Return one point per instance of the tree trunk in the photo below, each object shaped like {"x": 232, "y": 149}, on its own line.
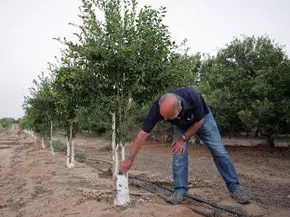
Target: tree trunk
{"x": 123, "y": 151}
{"x": 117, "y": 159}
{"x": 50, "y": 143}
{"x": 73, "y": 153}
{"x": 33, "y": 136}
{"x": 42, "y": 143}
{"x": 70, "y": 149}
{"x": 67, "y": 153}
{"x": 113, "y": 154}
{"x": 270, "y": 142}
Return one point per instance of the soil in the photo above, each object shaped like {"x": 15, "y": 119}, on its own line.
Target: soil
{"x": 33, "y": 182}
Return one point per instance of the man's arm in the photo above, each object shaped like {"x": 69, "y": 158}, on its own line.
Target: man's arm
{"x": 135, "y": 148}
{"x": 137, "y": 144}
{"x": 152, "y": 119}
{"x": 192, "y": 130}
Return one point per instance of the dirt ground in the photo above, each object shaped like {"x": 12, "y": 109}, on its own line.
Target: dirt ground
{"x": 33, "y": 182}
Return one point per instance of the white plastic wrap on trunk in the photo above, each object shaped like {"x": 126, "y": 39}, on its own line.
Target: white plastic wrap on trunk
{"x": 51, "y": 147}
{"x": 116, "y": 172}
{"x": 122, "y": 188}
{"x": 31, "y": 133}
{"x": 42, "y": 143}
{"x": 67, "y": 154}
{"x": 33, "y": 136}
{"x": 123, "y": 152}
{"x": 70, "y": 162}
{"x": 120, "y": 181}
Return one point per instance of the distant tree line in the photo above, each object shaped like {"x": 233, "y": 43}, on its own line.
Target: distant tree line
{"x": 5, "y": 123}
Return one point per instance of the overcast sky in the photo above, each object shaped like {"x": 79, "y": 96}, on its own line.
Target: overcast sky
{"x": 27, "y": 28}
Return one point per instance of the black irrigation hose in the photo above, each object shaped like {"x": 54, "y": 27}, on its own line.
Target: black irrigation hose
{"x": 200, "y": 200}
{"x": 163, "y": 197}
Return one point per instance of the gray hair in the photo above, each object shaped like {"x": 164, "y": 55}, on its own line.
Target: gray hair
{"x": 165, "y": 96}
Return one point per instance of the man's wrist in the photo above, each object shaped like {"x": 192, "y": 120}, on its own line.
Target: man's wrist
{"x": 183, "y": 137}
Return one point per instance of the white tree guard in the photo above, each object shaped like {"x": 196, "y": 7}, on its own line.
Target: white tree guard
{"x": 42, "y": 143}
{"x": 123, "y": 152}
{"x": 120, "y": 181}
{"x": 51, "y": 148}
{"x": 50, "y": 144}
{"x": 73, "y": 154}
{"x": 122, "y": 195}
{"x": 67, "y": 154}
{"x": 70, "y": 163}
{"x": 32, "y": 134}
{"x": 122, "y": 187}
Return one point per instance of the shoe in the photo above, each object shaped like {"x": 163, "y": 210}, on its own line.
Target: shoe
{"x": 240, "y": 196}
{"x": 175, "y": 199}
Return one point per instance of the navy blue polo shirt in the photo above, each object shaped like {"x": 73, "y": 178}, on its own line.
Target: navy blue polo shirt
{"x": 194, "y": 109}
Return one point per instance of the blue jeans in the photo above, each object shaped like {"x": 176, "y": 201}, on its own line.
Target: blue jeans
{"x": 210, "y": 135}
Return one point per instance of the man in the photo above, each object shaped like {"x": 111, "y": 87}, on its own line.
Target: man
{"x": 187, "y": 111}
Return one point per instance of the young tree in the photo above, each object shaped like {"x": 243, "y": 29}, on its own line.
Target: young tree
{"x": 68, "y": 91}
{"x": 127, "y": 56}
{"x": 39, "y": 107}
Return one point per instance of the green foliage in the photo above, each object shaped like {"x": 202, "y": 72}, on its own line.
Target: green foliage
{"x": 124, "y": 59}
{"x": 24, "y": 122}
{"x": 184, "y": 68}
{"x": 58, "y": 146}
{"x": 40, "y": 106}
{"x": 248, "y": 86}
{"x": 95, "y": 116}
{"x": 127, "y": 52}
{"x": 5, "y": 123}
{"x": 53, "y": 100}
{"x": 68, "y": 90}
{"x": 127, "y": 58}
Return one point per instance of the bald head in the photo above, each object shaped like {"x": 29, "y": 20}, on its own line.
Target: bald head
{"x": 170, "y": 106}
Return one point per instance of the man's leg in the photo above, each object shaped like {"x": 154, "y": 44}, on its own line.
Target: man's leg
{"x": 210, "y": 135}
{"x": 179, "y": 171}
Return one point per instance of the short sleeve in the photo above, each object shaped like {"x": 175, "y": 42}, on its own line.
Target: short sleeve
{"x": 195, "y": 98}
{"x": 152, "y": 118}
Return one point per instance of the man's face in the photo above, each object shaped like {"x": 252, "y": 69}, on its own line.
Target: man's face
{"x": 175, "y": 116}
{"x": 170, "y": 106}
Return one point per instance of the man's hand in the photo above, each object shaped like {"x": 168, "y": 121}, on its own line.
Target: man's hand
{"x": 126, "y": 165}
{"x": 135, "y": 148}
{"x": 178, "y": 146}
